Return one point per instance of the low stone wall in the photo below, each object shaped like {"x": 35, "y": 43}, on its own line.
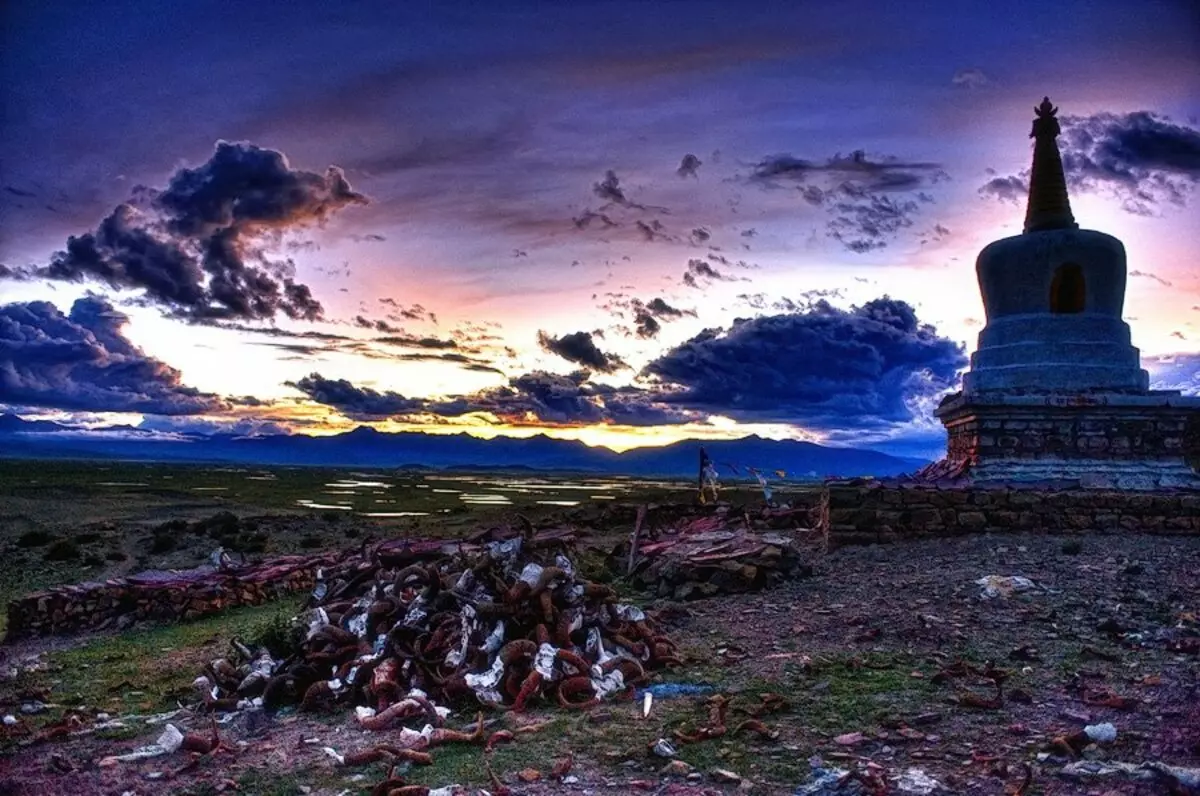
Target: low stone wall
{"x": 164, "y": 596}
{"x": 885, "y": 512}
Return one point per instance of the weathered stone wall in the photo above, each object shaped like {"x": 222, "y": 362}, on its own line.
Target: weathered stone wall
{"x": 158, "y": 596}
{"x": 880, "y": 512}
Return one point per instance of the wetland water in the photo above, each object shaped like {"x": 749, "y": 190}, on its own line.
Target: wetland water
{"x": 423, "y": 495}
{"x": 371, "y": 493}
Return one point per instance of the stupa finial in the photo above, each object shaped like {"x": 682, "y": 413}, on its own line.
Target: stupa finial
{"x": 1049, "y": 207}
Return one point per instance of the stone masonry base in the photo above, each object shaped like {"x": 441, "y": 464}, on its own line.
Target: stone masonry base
{"x": 1133, "y": 442}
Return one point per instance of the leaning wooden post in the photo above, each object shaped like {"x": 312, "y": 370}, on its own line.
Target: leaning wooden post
{"x": 633, "y": 539}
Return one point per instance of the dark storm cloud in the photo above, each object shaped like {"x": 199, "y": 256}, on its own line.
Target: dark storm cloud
{"x": 886, "y": 174}
{"x": 824, "y": 367}
{"x": 197, "y": 247}
{"x": 938, "y": 233}
{"x": 756, "y": 301}
{"x": 414, "y": 312}
{"x": 300, "y": 349}
{"x": 1007, "y": 189}
{"x": 617, "y": 205}
{"x": 380, "y": 326}
{"x": 1142, "y": 159}
{"x": 689, "y": 166}
{"x": 871, "y": 367}
{"x": 82, "y": 361}
{"x": 647, "y": 317}
{"x": 13, "y": 274}
{"x": 808, "y": 300}
{"x": 866, "y": 224}
{"x": 275, "y": 331}
{"x": 477, "y": 368}
{"x": 248, "y": 400}
{"x": 466, "y": 362}
{"x": 301, "y": 343}
{"x": 540, "y": 398}
{"x": 580, "y": 348}
{"x": 652, "y": 230}
{"x": 857, "y": 191}
{"x": 246, "y": 188}
{"x": 700, "y": 274}
{"x": 585, "y": 219}
{"x": 536, "y": 398}
{"x": 413, "y": 341}
{"x": 609, "y": 189}
{"x": 355, "y": 402}
{"x": 646, "y": 325}
{"x": 661, "y": 309}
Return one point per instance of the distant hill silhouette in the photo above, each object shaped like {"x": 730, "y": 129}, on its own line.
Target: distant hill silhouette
{"x": 366, "y": 447}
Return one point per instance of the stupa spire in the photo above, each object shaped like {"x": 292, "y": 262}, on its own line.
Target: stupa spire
{"x": 1049, "y": 207}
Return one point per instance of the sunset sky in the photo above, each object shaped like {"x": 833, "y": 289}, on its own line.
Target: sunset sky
{"x": 621, "y": 222}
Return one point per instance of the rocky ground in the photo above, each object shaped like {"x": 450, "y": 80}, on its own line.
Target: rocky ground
{"x": 895, "y": 674}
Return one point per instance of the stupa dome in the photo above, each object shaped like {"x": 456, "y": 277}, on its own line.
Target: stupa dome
{"x": 1053, "y": 295}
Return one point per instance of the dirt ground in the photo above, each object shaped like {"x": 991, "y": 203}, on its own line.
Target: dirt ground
{"x": 888, "y": 657}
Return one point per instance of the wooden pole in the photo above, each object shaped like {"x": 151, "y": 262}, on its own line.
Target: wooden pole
{"x": 633, "y": 540}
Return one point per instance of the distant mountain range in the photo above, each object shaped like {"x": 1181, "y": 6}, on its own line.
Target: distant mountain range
{"x": 366, "y": 447}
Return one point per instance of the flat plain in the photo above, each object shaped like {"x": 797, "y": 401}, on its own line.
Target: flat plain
{"x": 887, "y": 657}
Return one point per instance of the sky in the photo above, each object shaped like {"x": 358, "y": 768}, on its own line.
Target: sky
{"x": 621, "y": 222}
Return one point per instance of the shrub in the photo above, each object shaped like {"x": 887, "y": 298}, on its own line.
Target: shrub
{"x": 281, "y": 636}
{"x": 247, "y": 542}
{"x": 34, "y": 538}
{"x": 253, "y": 545}
{"x": 220, "y": 524}
{"x": 173, "y": 526}
{"x": 163, "y": 542}
{"x": 62, "y": 550}
{"x": 115, "y": 555}
{"x": 87, "y": 538}
{"x": 1072, "y": 547}
{"x": 309, "y": 542}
